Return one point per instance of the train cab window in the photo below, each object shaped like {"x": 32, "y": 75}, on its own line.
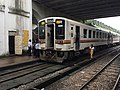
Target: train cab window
{"x": 90, "y": 33}
{"x": 60, "y": 29}
{"x": 85, "y": 33}
{"x": 42, "y": 30}
{"x": 93, "y": 34}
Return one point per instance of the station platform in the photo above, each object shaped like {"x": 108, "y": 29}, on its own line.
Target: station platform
{"x": 6, "y": 61}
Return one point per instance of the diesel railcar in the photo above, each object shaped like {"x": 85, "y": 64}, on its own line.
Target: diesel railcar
{"x": 61, "y": 38}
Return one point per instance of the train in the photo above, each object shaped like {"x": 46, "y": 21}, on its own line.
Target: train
{"x": 62, "y": 38}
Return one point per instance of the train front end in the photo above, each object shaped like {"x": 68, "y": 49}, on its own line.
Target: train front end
{"x": 51, "y": 35}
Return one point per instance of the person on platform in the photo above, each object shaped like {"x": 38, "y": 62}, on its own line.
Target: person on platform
{"x": 37, "y": 46}
{"x": 33, "y": 48}
{"x": 29, "y": 47}
{"x": 91, "y": 51}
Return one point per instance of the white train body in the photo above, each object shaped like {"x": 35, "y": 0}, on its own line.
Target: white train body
{"x": 64, "y": 37}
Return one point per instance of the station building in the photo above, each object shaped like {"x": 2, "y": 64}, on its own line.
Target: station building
{"x": 15, "y": 26}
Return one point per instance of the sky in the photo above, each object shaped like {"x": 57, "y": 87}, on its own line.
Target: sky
{"x": 111, "y": 21}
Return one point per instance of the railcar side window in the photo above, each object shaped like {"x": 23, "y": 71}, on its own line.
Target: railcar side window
{"x": 100, "y": 35}
{"x": 93, "y": 34}
{"x": 85, "y": 33}
{"x": 42, "y": 30}
{"x": 71, "y": 34}
{"x": 90, "y": 32}
{"x": 103, "y": 35}
{"x": 60, "y": 29}
{"x": 71, "y": 28}
{"x": 97, "y": 34}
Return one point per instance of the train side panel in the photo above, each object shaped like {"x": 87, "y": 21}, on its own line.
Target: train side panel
{"x": 62, "y": 38}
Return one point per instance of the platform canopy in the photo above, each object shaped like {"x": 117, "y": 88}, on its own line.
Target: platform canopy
{"x": 84, "y": 9}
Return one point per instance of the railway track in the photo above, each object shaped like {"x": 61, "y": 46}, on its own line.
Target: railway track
{"x": 117, "y": 84}
{"x": 23, "y": 75}
{"x": 30, "y": 75}
{"x": 83, "y": 79}
{"x": 104, "y": 78}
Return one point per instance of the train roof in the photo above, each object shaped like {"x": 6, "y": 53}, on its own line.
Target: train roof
{"x": 83, "y": 24}
{"x": 67, "y": 20}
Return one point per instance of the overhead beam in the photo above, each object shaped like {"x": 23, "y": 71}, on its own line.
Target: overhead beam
{"x": 54, "y": 2}
{"x": 74, "y": 4}
{"x": 94, "y": 15}
{"x": 84, "y": 9}
{"x": 96, "y": 8}
{"x": 115, "y": 9}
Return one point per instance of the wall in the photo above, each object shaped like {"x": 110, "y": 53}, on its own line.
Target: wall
{"x": 2, "y": 39}
{"x": 2, "y": 25}
{"x": 15, "y": 15}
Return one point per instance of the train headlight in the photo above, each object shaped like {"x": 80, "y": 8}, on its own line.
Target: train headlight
{"x": 58, "y": 22}
{"x": 42, "y": 23}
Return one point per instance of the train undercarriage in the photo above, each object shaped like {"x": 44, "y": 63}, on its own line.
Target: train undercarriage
{"x": 57, "y": 56}
{"x": 60, "y": 56}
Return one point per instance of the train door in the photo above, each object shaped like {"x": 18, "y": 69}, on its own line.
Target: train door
{"x": 50, "y": 36}
{"x": 109, "y": 38}
{"x": 77, "y": 38}
{"x": 72, "y": 35}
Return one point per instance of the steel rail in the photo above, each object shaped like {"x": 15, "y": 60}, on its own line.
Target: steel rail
{"x": 76, "y": 67}
{"x": 99, "y": 72}
{"x": 116, "y": 83}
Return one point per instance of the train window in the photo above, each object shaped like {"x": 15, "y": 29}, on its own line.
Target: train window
{"x": 100, "y": 34}
{"x": 71, "y": 34}
{"x": 90, "y": 32}
{"x": 60, "y": 29}
{"x": 85, "y": 33}
{"x": 106, "y": 35}
{"x": 103, "y": 35}
{"x": 93, "y": 34}
{"x": 42, "y": 30}
{"x": 71, "y": 28}
{"x": 97, "y": 34}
